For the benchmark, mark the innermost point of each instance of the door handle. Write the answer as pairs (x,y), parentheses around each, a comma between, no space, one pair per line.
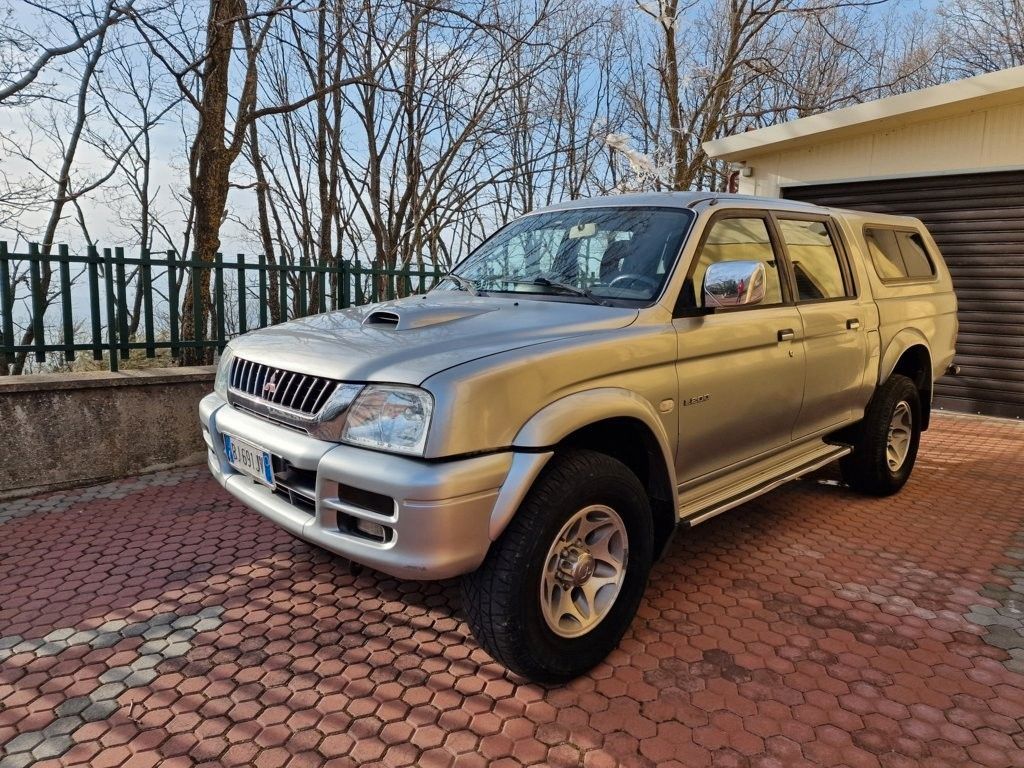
(787,334)
(852,324)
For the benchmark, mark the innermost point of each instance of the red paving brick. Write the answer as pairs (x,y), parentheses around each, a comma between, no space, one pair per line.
(811,627)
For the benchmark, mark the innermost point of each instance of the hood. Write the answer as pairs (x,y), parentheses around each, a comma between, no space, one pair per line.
(408,340)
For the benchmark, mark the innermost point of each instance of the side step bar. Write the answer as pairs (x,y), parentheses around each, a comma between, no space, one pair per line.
(718,507)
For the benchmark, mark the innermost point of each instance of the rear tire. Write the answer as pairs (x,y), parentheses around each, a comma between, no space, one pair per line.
(886,445)
(549,601)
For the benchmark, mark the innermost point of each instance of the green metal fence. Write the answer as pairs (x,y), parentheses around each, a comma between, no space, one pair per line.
(87,303)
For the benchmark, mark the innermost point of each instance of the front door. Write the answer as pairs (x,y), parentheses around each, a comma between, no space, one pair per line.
(740,369)
(834,322)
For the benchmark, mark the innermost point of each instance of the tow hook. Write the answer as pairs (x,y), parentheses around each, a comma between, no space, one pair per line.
(953,370)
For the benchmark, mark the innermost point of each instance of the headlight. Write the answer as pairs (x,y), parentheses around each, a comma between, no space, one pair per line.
(390,418)
(220,384)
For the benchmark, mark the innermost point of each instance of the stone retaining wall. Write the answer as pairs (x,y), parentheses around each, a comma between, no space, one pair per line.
(63,430)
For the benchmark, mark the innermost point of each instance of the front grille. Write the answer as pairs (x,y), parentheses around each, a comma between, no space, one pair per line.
(296,391)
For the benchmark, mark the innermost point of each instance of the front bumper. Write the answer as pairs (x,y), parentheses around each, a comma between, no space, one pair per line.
(441,521)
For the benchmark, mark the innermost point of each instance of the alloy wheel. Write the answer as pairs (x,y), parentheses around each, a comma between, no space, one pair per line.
(584,570)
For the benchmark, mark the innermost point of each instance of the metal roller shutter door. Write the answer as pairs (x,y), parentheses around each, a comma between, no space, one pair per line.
(978,222)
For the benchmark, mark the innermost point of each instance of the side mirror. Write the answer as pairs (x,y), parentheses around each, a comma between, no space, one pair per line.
(735,284)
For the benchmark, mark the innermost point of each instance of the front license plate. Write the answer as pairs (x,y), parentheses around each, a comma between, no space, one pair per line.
(249,460)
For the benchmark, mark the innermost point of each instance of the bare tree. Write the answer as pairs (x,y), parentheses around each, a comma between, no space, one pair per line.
(836,57)
(136,98)
(432,147)
(206,80)
(454,106)
(982,35)
(727,65)
(400,132)
(66,129)
(551,118)
(76,26)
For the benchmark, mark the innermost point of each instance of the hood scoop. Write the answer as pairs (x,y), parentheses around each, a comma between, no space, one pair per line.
(405,317)
(382,318)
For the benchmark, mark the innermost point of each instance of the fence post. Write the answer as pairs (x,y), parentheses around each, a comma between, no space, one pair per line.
(146,276)
(334,276)
(303,295)
(93,269)
(346,287)
(38,310)
(64,271)
(357,270)
(108,284)
(321,280)
(242,320)
(122,302)
(218,299)
(264,299)
(172,300)
(6,307)
(198,326)
(283,285)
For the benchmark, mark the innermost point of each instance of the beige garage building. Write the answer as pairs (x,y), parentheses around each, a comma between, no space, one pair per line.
(953,156)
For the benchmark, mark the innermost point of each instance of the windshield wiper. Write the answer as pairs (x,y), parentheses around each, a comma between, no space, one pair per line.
(463,283)
(575,290)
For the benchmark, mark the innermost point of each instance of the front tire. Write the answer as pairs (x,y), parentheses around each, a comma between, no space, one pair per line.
(886,445)
(560,586)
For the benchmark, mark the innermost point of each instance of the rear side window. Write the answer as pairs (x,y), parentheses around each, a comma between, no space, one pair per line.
(885,253)
(816,267)
(914,255)
(898,254)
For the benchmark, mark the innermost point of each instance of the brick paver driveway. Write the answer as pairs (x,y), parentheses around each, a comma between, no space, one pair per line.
(156,621)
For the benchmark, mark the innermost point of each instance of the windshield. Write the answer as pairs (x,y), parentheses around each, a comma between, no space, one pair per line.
(603,255)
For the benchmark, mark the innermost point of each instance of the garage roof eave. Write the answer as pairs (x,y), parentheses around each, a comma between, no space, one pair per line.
(959,96)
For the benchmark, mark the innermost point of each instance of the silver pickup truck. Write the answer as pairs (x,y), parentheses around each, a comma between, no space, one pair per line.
(594,377)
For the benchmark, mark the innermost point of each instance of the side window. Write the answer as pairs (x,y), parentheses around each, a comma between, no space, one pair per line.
(885,253)
(740,239)
(915,256)
(814,258)
(898,254)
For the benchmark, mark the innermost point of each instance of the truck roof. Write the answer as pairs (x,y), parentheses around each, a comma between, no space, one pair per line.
(693,200)
(675,200)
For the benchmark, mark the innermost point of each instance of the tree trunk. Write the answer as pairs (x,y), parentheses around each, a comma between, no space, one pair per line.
(209,171)
(679,180)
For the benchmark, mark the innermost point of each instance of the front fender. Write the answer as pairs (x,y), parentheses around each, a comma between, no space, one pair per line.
(556,421)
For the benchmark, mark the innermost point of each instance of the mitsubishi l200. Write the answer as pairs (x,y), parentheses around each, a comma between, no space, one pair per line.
(593,378)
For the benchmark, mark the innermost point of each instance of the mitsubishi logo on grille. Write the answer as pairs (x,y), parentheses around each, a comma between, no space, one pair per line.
(271,386)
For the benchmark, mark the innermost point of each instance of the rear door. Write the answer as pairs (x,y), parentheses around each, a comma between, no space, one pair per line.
(833,318)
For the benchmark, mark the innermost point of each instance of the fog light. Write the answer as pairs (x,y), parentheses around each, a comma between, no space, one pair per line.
(371,529)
